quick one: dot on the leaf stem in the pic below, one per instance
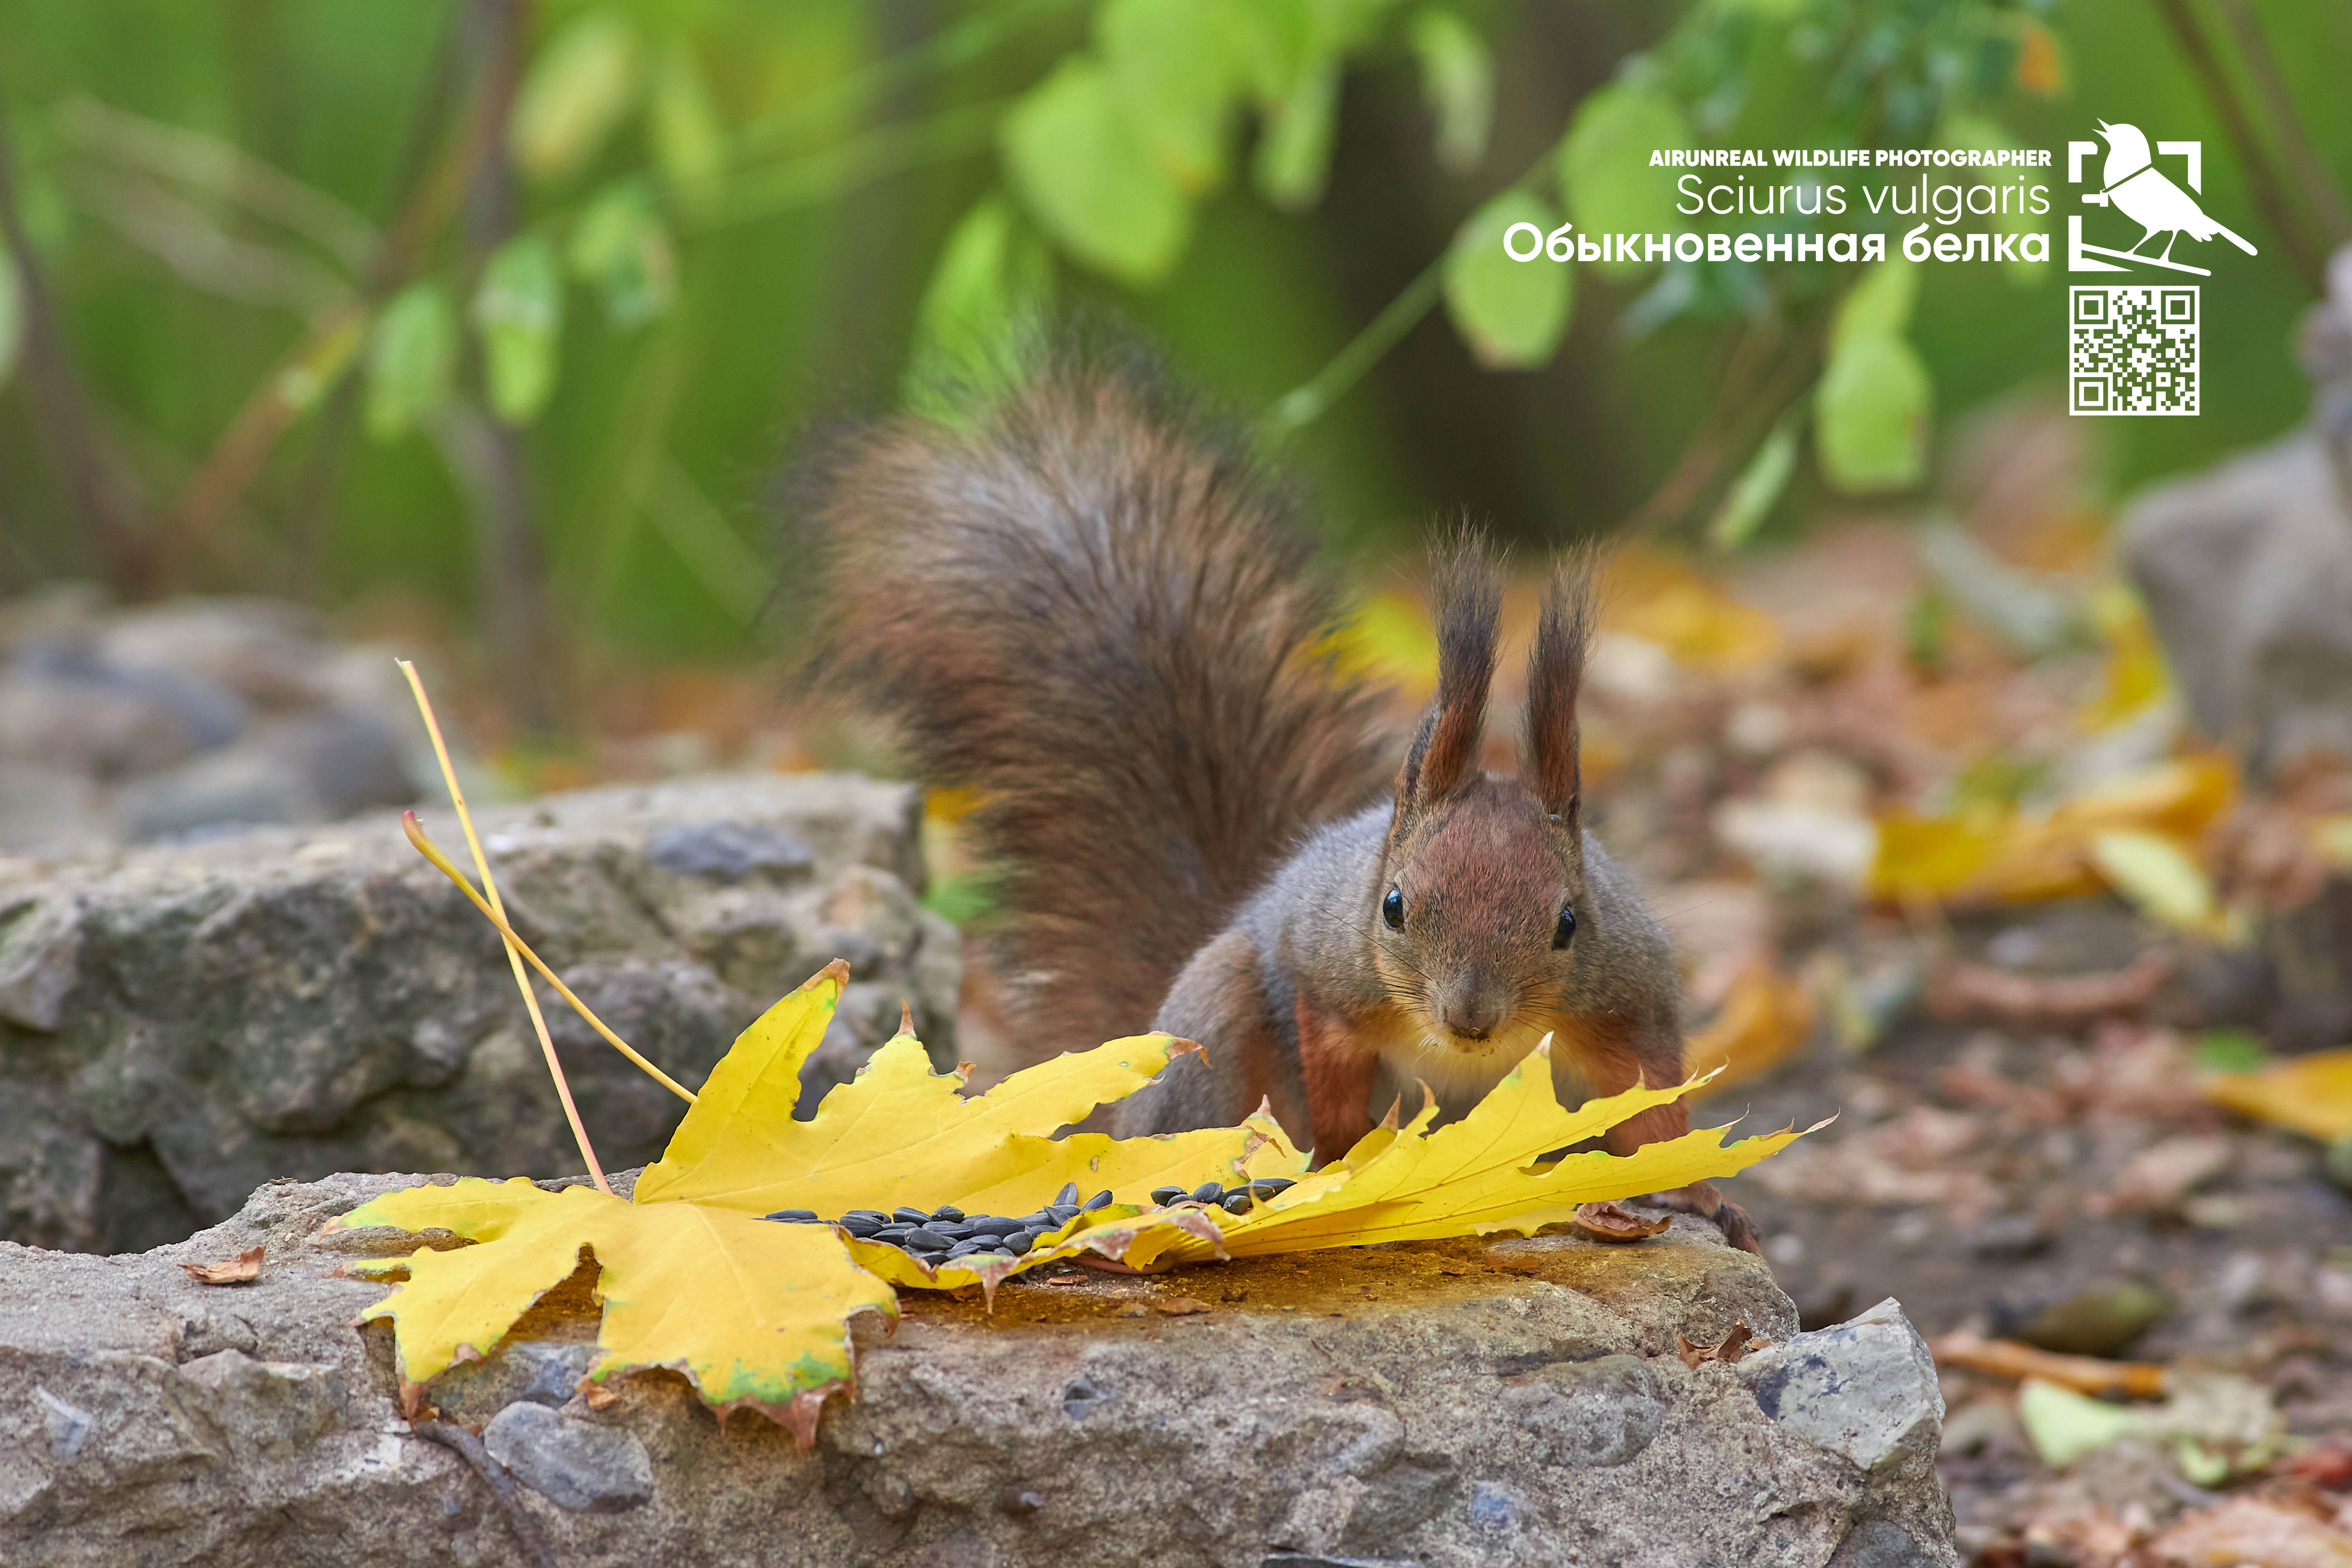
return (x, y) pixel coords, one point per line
(1305, 402)
(432, 851)
(514, 956)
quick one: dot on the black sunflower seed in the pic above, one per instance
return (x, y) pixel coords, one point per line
(923, 1238)
(947, 1210)
(1062, 1214)
(1207, 1193)
(1067, 1196)
(876, 1215)
(1168, 1194)
(991, 1225)
(911, 1216)
(1099, 1200)
(1238, 1201)
(1270, 1185)
(795, 1216)
(1019, 1242)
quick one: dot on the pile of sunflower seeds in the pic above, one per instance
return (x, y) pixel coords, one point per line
(947, 1234)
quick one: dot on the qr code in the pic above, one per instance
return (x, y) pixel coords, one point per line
(2132, 351)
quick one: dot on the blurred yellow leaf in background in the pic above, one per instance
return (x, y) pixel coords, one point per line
(2310, 1094)
(1991, 856)
(1766, 1016)
(1660, 600)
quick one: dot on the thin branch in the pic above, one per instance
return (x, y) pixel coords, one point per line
(1309, 401)
(959, 45)
(287, 388)
(2264, 185)
(415, 831)
(222, 169)
(110, 512)
(505, 934)
(471, 1449)
(1304, 403)
(837, 171)
(1756, 387)
(2320, 190)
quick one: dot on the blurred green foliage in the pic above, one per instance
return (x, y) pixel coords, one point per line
(289, 247)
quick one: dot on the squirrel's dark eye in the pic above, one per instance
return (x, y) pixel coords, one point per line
(1566, 929)
(1392, 909)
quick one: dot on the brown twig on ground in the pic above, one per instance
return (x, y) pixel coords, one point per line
(2082, 1373)
(2262, 181)
(1958, 991)
(469, 1448)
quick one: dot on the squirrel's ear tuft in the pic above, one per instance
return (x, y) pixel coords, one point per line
(1467, 583)
(1555, 674)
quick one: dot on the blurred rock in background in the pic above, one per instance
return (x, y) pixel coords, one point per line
(179, 1023)
(173, 720)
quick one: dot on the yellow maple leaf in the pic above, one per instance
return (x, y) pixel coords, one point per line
(1998, 857)
(1484, 1173)
(2312, 1094)
(754, 1313)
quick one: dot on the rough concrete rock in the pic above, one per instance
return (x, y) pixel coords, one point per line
(178, 1023)
(1448, 1404)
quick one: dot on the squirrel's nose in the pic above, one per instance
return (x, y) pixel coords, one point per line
(1473, 1016)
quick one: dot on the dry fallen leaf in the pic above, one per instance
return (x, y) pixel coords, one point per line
(242, 1269)
(2310, 1094)
(1735, 1344)
(1181, 1306)
(1765, 1017)
(1612, 1222)
(1994, 856)
(2251, 1529)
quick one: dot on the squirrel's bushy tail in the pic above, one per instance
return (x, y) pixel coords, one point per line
(1086, 606)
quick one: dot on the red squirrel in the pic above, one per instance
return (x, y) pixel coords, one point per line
(1085, 603)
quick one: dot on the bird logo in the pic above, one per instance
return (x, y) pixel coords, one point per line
(2135, 187)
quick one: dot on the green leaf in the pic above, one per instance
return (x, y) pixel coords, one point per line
(1294, 150)
(1750, 501)
(11, 318)
(1878, 305)
(689, 142)
(519, 309)
(1511, 313)
(621, 246)
(1173, 66)
(2159, 874)
(992, 274)
(1457, 82)
(1870, 415)
(1080, 168)
(2231, 1050)
(1604, 163)
(2064, 1426)
(582, 82)
(410, 360)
